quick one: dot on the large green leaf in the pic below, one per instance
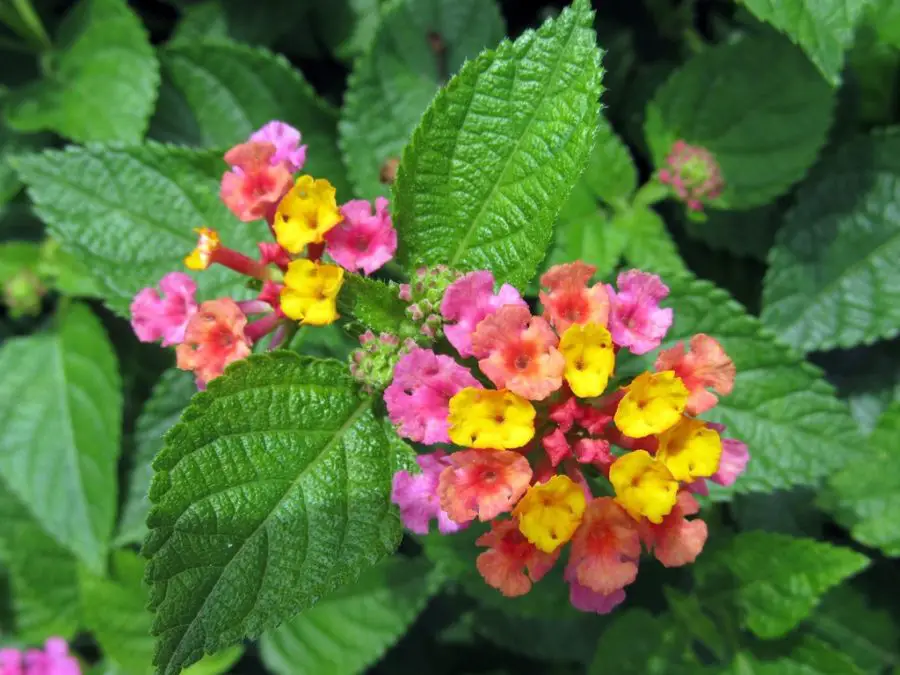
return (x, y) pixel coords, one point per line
(233, 89)
(272, 491)
(60, 425)
(833, 280)
(101, 81)
(351, 629)
(170, 397)
(638, 642)
(764, 126)
(866, 495)
(11, 143)
(418, 46)
(774, 579)
(43, 575)
(809, 656)
(115, 611)
(128, 213)
(499, 150)
(797, 431)
(823, 28)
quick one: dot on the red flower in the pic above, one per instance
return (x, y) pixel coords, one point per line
(677, 541)
(214, 337)
(254, 186)
(704, 365)
(483, 483)
(605, 548)
(512, 563)
(570, 300)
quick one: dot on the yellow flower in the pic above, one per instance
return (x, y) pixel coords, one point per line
(306, 213)
(653, 402)
(550, 513)
(201, 257)
(644, 486)
(488, 418)
(690, 449)
(310, 292)
(590, 359)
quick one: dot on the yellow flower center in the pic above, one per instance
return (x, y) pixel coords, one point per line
(550, 513)
(487, 418)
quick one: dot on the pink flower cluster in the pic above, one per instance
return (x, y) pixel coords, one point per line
(54, 659)
(694, 174)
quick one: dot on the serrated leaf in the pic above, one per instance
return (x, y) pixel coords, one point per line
(170, 397)
(833, 279)
(610, 173)
(797, 431)
(499, 150)
(418, 45)
(375, 304)
(777, 580)
(128, 213)
(60, 425)
(866, 495)
(809, 656)
(823, 28)
(846, 619)
(115, 611)
(217, 663)
(351, 629)
(232, 90)
(688, 610)
(648, 244)
(10, 144)
(638, 642)
(764, 126)
(43, 575)
(16, 257)
(102, 79)
(271, 492)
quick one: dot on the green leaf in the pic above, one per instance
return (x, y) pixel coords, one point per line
(846, 619)
(16, 257)
(809, 657)
(823, 28)
(832, 279)
(865, 496)
(170, 397)
(419, 44)
(688, 610)
(64, 272)
(102, 79)
(745, 234)
(43, 575)
(128, 213)
(351, 629)
(498, 151)
(648, 245)
(777, 580)
(610, 173)
(638, 642)
(797, 431)
(220, 662)
(375, 304)
(271, 492)
(233, 90)
(11, 143)
(115, 611)
(60, 425)
(764, 126)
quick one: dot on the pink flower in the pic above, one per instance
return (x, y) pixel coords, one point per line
(704, 365)
(470, 299)
(154, 316)
(418, 399)
(286, 140)
(732, 463)
(483, 483)
(518, 352)
(53, 660)
(636, 320)
(605, 549)
(586, 600)
(676, 541)
(213, 339)
(694, 174)
(512, 563)
(417, 495)
(363, 241)
(570, 300)
(254, 186)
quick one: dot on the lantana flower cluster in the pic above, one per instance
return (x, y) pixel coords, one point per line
(294, 281)
(544, 443)
(693, 174)
(54, 659)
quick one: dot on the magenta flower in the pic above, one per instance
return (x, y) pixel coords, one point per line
(694, 175)
(286, 140)
(586, 600)
(165, 317)
(363, 240)
(735, 456)
(418, 400)
(470, 299)
(53, 660)
(636, 320)
(417, 496)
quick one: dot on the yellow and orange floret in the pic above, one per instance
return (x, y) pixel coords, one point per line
(539, 447)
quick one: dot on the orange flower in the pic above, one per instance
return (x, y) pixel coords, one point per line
(605, 548)
(518, 352)
(704, 365)
(570, 300)
(214, 337)
(512, 563)
(254, 186)
(677, 541)
(482, 483)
